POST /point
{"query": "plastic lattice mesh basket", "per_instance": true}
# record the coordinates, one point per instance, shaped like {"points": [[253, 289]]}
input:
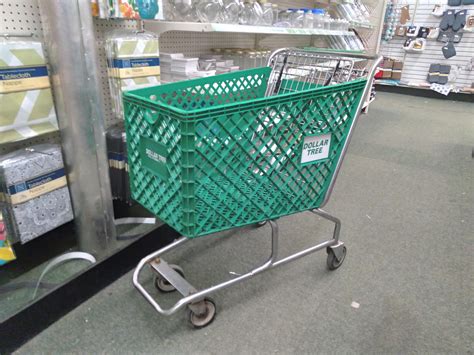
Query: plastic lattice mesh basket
{"points": [[211, 154]]}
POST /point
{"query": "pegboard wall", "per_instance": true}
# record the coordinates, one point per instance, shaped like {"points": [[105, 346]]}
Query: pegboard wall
{"points": [[416, 66], [197, 43], [20, 17]]}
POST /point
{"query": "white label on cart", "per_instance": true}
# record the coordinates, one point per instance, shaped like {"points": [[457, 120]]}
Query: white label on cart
{"points": [[315, 148]]}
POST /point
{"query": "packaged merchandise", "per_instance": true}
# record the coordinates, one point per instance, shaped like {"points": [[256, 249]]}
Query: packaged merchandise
{"points": [[128, 9], [133, 62], [396, 74], [469, 27], [6, 251], [107, 9], [177, 67], [397, 65], [34, 194], [138, 9], [95, 8], [26, 101], [118, 163]]}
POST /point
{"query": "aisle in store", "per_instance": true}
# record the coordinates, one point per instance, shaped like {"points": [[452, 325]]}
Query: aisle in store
{"points": [[405, 198]]}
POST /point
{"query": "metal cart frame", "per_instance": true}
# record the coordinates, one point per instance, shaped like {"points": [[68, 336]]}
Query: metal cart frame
{"points": [[201, 309]]}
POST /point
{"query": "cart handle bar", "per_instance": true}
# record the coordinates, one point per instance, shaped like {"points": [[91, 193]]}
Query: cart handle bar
{"points": [[377, 57]]}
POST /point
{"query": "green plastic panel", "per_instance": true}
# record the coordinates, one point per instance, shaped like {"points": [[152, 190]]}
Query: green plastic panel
{"points": [[212, 154]]}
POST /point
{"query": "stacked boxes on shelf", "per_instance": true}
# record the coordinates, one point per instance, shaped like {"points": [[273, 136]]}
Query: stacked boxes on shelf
{"points": [[26, 101], [391, 69], [118, 163], [34, 197], [176, 67]]}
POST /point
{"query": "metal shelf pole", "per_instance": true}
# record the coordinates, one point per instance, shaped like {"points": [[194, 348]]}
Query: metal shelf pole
{"points": [[71, 44]]}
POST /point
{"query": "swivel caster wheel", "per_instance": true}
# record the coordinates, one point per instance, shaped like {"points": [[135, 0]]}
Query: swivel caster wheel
{"points": [[163, 285], [198, 321], [332, 261], [260, 224]]}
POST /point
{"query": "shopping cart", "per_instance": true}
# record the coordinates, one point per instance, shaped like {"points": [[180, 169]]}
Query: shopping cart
{"points": [[242, 148]]}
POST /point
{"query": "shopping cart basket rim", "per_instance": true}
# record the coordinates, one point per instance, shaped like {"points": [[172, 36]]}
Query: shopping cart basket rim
{"points": [[134, 96]]}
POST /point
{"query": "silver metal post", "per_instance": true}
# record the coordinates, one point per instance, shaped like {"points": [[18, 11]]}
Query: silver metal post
{"points": [[70, 40]]}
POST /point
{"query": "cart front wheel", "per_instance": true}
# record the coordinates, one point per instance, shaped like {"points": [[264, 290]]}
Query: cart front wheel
{"points": [[332, 262], [260, 224], [163, 285], [200, 321]]}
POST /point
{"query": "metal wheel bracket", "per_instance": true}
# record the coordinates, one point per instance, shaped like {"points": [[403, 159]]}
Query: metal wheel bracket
{"points": [[173, 277], [198, 308], [337, 250]]}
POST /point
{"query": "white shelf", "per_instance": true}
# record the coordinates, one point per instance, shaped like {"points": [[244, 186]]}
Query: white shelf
{"points": [[160, 27], [356, 24], [385, 82]]}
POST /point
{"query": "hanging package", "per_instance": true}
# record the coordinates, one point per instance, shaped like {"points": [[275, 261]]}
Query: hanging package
{"points": [[26, 101], [448, 50], [133, 61]]}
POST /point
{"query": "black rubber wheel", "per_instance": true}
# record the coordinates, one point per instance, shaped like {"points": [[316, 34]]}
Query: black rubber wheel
{"points": [[203, 320], [163, 285], [260, 224], [332, 261]]}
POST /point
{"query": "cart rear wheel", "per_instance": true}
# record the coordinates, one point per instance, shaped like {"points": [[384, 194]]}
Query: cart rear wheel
{"points": [[163, 285], [200, 321], [332, 261]]}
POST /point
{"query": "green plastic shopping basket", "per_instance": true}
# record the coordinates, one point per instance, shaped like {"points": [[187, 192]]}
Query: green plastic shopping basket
{"points": [[215, 153]]}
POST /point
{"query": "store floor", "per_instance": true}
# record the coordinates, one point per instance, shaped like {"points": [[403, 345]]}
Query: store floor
{"points": [[406, 199]]}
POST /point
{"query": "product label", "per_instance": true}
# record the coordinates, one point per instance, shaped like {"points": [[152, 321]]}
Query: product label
{"points": [[315, 148], [137, 67], [23, 79], [40, 185], [154, 157], [116, 160]]}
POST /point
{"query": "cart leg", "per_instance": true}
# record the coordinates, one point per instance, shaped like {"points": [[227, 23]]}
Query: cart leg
{"points": [[336, 252], [337, 222], [146, 261]]}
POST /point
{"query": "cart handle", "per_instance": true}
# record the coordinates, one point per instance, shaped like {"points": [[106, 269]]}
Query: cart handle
{"points": [[377, 57], [376, 60]]}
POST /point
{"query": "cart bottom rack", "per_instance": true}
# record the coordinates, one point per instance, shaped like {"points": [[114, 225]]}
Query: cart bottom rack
{"points": [[243, 148]]}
